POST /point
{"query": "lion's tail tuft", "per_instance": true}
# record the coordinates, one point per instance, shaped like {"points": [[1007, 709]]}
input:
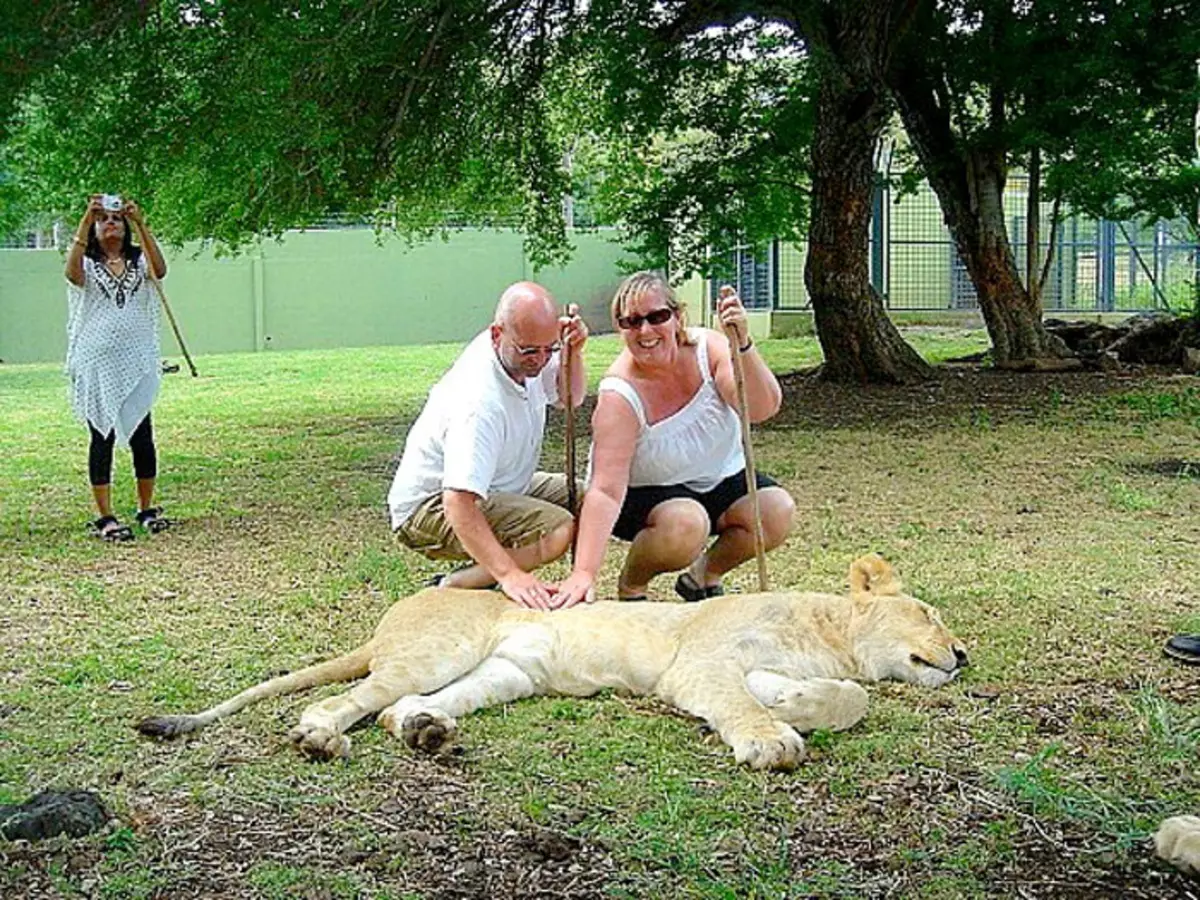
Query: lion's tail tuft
{"points": [[167, 727]]}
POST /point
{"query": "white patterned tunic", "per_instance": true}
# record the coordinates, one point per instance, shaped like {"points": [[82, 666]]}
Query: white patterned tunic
{"points": [[112, 347]]}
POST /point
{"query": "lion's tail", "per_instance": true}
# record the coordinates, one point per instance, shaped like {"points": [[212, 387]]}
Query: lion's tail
{"points": [[345, 668]]}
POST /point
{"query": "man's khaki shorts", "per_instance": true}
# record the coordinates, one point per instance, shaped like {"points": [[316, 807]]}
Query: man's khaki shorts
{"points": [[516, 519]]}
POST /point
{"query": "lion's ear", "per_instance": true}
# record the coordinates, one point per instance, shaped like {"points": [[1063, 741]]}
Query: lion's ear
{"points": [[872, 576]]}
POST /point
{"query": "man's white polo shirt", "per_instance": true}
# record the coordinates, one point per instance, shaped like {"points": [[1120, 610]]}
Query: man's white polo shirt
{"points": [[480, 431]]}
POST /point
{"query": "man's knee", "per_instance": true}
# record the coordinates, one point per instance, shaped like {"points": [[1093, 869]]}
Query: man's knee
{"points": [[557, 541]]}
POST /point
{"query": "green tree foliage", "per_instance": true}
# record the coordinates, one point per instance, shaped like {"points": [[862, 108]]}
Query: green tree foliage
{"points": [[696, 123], [237, 118], [706, 129], [689, 121], [233, 119], [1105, 90]]}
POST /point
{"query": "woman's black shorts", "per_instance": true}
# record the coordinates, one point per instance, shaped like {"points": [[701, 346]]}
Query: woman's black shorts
{"points": [[640, 500]]}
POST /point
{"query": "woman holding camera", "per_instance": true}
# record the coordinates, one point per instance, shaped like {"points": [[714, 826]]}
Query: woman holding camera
{"points": [[113, 351]]}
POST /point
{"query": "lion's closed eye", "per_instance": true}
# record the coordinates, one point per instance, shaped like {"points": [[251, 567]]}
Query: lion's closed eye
{"points": [[919, 660]]}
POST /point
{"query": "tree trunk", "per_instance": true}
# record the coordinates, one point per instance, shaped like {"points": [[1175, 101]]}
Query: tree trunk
{"points": [[969, 184], [859, 340], [1033, 228]]}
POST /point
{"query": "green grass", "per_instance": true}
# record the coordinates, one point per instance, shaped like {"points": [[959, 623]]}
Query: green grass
{"points": [[1057, 532]]}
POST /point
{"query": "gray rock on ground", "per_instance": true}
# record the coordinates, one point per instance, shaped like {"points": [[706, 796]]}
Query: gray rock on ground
{"points": [[51, 813]]}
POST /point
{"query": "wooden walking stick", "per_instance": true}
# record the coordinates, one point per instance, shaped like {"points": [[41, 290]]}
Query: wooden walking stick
{"points": [[170, 315], [572, 489], [739, 377]]}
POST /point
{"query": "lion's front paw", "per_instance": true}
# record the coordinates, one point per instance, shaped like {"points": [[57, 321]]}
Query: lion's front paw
{"points": [[320, 743], [429, 732], [422, 729], [1178, 842], [781, 749]]}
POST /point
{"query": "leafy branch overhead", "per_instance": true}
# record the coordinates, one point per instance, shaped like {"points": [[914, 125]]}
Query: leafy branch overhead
{"points": [[238, 119], [694, 124]]}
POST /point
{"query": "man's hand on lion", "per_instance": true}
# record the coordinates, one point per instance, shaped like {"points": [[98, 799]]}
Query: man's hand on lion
{"points": [[578, 588], [528, 590]]}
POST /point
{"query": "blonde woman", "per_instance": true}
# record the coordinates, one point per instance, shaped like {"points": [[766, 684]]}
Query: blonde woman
{"points": [[667, 468]]}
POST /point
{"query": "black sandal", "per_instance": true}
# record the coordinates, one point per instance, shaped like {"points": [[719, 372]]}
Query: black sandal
{"points": [[153, 520], [109, 529], [687, 588]]}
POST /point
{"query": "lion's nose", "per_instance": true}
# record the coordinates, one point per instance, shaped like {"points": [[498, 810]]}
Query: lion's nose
{"points": [[960, 656]]}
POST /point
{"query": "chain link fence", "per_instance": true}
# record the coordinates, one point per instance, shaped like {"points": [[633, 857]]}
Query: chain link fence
{"points": [[1097, 265]]}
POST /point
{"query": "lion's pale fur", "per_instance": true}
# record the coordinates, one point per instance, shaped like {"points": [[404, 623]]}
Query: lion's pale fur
{"points": [[1178, 842], [759, 668]]}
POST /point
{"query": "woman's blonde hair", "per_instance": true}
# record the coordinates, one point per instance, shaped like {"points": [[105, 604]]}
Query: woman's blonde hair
{"points": [[641, 283]]}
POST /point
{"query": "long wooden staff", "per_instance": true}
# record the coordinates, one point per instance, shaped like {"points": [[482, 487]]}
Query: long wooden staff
{"points": [[572, 490], [739, 377], [170, 315]]}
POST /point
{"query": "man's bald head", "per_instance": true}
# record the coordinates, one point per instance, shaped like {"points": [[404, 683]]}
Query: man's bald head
{"points": [[526, 303]]}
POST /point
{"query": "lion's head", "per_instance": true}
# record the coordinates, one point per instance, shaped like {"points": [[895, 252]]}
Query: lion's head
{"points": [[898, 636]]}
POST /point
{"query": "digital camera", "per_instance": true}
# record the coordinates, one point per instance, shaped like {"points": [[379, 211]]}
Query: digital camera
{"points": [[111, 202]]}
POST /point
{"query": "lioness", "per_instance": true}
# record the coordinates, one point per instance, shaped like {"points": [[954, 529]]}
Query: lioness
{"points": [[758, 668]]}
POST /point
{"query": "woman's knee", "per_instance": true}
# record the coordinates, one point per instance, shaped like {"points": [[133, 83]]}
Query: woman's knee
{"points": [[100, 458], [778, 511], [681, 525]]}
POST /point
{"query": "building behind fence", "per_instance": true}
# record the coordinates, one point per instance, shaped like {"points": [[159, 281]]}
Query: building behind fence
{"points": [[1097, 266]]}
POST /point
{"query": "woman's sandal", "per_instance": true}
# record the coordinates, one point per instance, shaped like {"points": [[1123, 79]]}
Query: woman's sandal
{"points": [[687, 588], [153, 520], [110, 530]]}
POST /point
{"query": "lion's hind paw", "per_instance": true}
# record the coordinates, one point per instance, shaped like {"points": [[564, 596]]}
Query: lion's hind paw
{"points": [[782, 751], [319, 743], [1178, 842]]}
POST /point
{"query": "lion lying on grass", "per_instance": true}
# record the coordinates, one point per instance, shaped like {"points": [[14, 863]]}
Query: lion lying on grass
{"points": [[758, 668]]}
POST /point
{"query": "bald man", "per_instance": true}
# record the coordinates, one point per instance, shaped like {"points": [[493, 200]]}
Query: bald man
{"points": [[468, 487]]}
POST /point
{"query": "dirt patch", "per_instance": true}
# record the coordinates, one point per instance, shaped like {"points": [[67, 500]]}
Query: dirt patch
{"points": [[955, 392], [430, 838]]}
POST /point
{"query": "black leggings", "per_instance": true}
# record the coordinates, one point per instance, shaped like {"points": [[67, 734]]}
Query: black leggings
{"points": [[141, 442]]}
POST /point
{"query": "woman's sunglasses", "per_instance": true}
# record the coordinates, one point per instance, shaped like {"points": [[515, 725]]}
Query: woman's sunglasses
{"points": [[654, 317]]}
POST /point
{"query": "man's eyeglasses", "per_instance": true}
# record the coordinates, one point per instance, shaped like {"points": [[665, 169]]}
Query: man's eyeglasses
{"points": [[654, 317], [548, 349]]}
